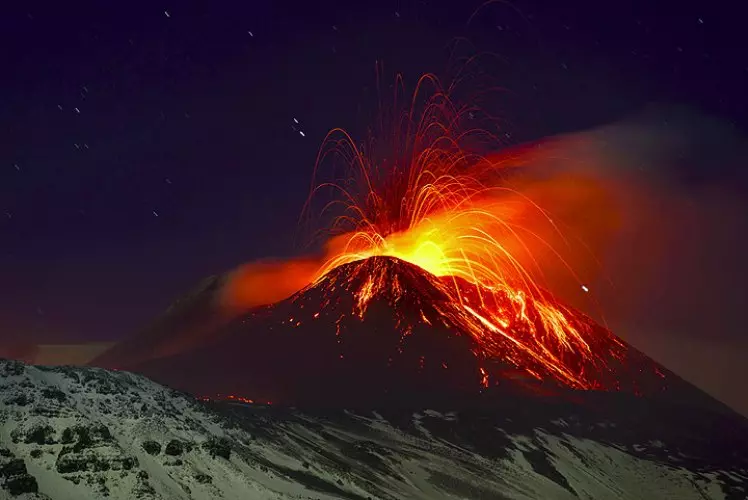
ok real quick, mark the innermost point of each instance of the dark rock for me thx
(16, 435)
(21, 484)
(19, 400)
(203, 478)
(13, 467)
(69, 460)
(174, 448)
(101, 485)
(152, 447)
(54, 393)
(47, 411)
(218, 447)
(84, 439)
(129, 462)
(68, 436)
(11, 368)
(40, 434)
(14, 476)
(101, 432)
(86, 436)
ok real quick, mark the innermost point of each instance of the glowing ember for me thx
(436, 204)
(234, 398)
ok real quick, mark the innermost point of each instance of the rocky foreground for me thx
(87, 433)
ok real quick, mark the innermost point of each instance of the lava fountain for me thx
(434, 201)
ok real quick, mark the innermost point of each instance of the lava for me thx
(441, 206)
(233, 398)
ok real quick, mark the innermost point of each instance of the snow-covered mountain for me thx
(88, 433)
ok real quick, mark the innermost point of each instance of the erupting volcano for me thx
(384, 328)
(428, 284)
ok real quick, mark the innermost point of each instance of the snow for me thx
(284, 454)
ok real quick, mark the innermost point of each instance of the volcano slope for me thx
(184, 324)
(383, 330)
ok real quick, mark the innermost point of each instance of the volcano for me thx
(384, 329)
(425, 288)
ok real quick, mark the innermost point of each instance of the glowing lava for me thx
(431, 285)
(438, 252)
(437, 204)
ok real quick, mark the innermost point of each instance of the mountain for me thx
(383, 329)
(183, 325)
(88, 433)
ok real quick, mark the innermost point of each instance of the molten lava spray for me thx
(475, 220)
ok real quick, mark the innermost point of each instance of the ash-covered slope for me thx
(86, 433)
(383, 328)
(183, 325)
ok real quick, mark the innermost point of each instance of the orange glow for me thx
(234, 398)
(445, 209)
(260, 283)
(471, 222)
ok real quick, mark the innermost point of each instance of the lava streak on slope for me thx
(434, 202)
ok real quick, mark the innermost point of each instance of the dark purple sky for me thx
(146, 145)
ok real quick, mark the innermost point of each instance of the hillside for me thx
(87, 433)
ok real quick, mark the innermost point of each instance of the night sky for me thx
(146, 147)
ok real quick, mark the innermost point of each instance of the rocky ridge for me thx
(88, 433)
